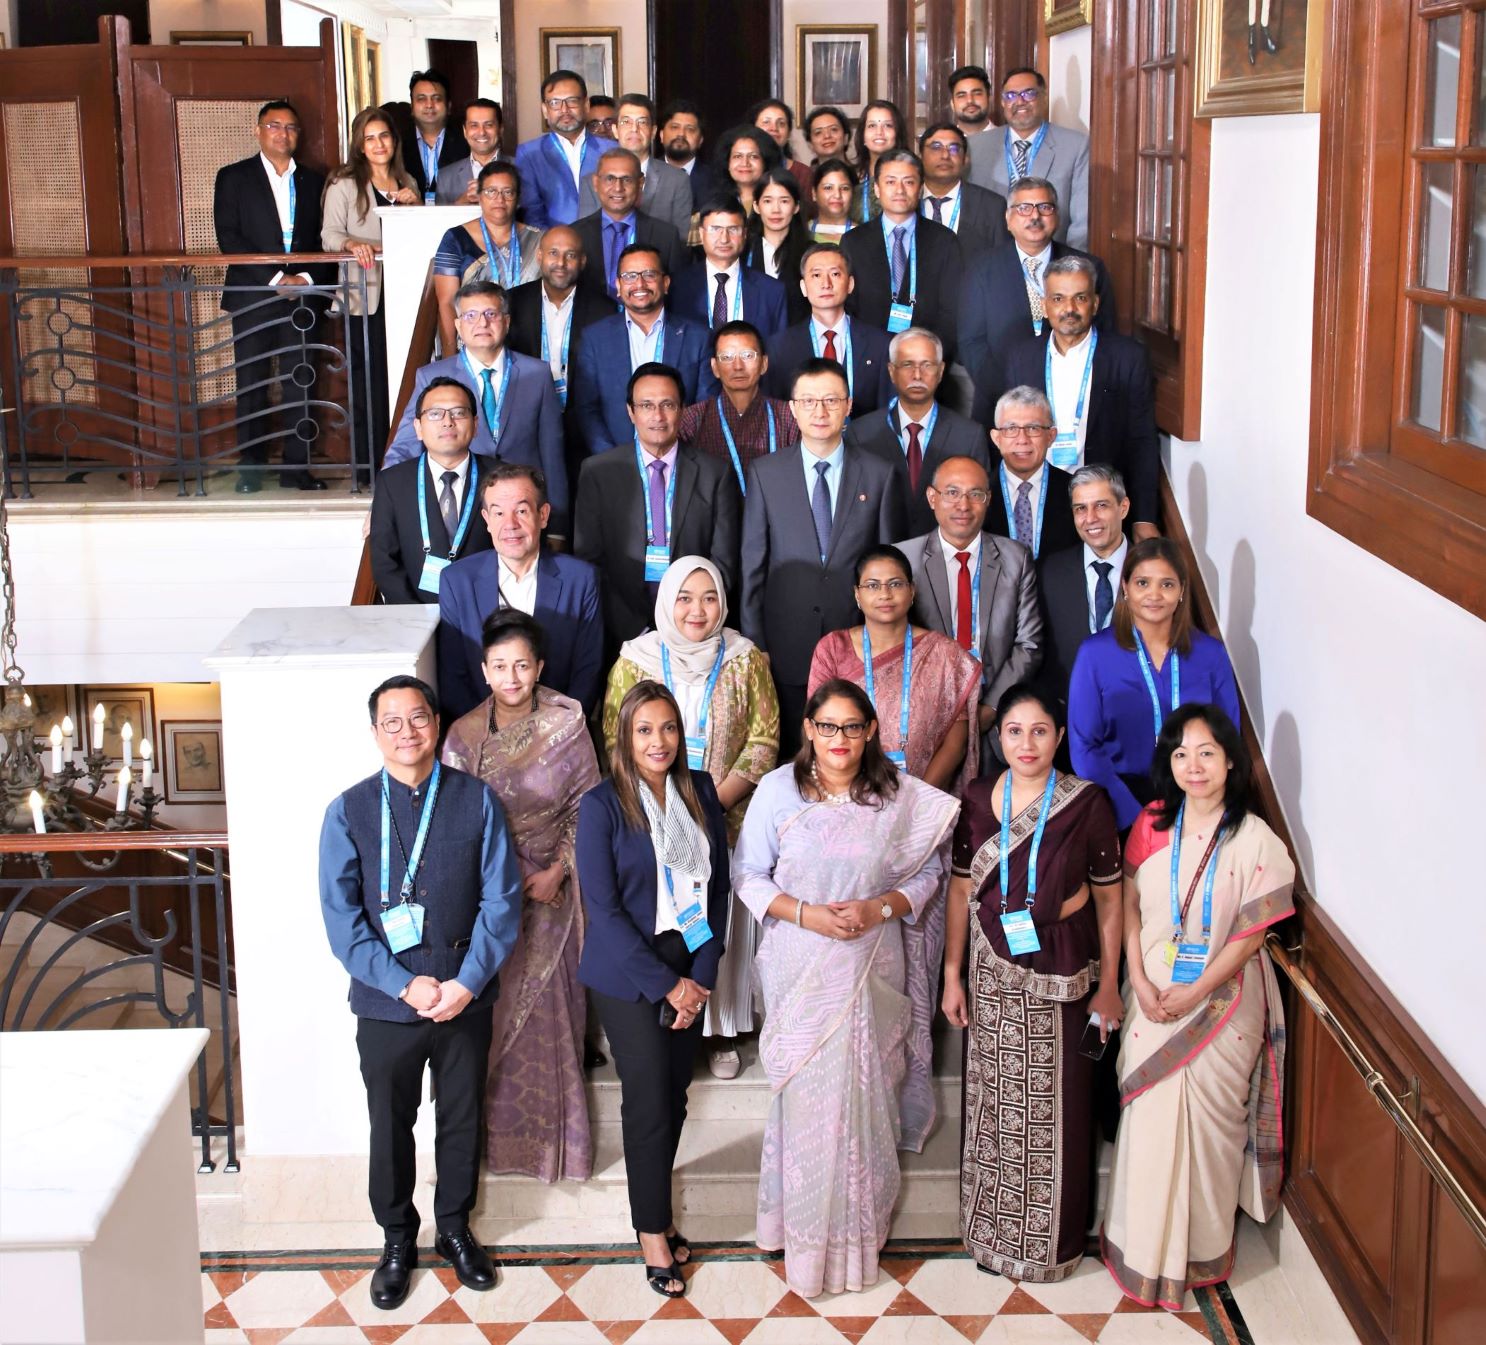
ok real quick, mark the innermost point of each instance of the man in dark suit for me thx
(435, 143)
(809, 512)
(917, 433)
(619, 223)
(1100, 389)
(719, 289)
(665, 192)
(1029, 496)
(1002, 301)
(518, 415)
(826, 281)
(975, 216)
(561, 592)
(415, 535)
(647, 501)
(269, 203)
(681, 141)
(643, 333)
(908, 269)
(554, 164)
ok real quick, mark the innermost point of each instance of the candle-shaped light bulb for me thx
(98, 727)
(126, 735)
(123, 799)
(146, 764)
(56, 749)
(26, 697)
(38, 820)
(69, 731)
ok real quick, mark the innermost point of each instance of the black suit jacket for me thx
(248, 221)
(1065, 613)
(1121, 411)
(609, 529)
(940, 272)
(652, 232)
(455, 147)
(789, 598)
(982, 224)
(871, 387)
(955, 436)
(797, 306)
(396, 537)
(1057, 514)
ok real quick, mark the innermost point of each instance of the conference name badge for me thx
(1021, 933)
(693, 922)
(1188, 960)
(1064, 453)
(433, 569)
(403, 926)
(899, 759)
(657, 562)
(899, 318)
(696, 752)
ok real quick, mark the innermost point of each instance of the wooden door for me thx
(735, 35)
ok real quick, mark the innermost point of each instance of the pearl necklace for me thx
(835, 800)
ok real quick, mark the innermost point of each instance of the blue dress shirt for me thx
(835, 464)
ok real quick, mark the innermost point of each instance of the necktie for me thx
(1103, 594)
(936, 204)
(448, 505)
(720, 303)
(915, 454)
(487, 399)
(964, 635)
(1019, 152)
(830, 346)
(1021, 514)
(1034, 288)
(900, 259)
(613, 246)
(820, 507)
(658, 503)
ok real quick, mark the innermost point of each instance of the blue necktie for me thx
(614, 231)
(900, 259)
(487, 401)
(1103, 594)
(820, 507)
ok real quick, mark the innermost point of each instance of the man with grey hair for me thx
(1098, 384)
(619, 223)
(1079, 583)
(918, 432)
(1029, 501)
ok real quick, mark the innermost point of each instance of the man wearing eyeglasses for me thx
(619, 223)
(1029, 496)
(423, 514)
(553, 166)
(482, 131)
(665, 193)
(518, 415)
(808, 513)
(974, 215)
(1031, 146)
(739, 423)
(719, 288)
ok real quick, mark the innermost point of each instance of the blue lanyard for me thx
(416, 858)
(430, 156)
(288, 234)
(1178, 917)
(640, 456)
(665, 668)
(1042, 816)
(562, 155)
(954, 216)
(907, 678)
(737, 293)
(866, 197)
(727, 434)
(660, 343)
(464, 519)
(923, 443)
(500, 397)
(493, 255)
(1150, 680)
(567, 336)
(1036, 542)
(816, 341)
(1083, 391)
(1011, 173)
(887, 229)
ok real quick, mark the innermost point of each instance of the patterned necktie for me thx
(1103, 594)
(936, 204)
(487, 399)
(720, 302)
(1019, 151)
(658, 504)
(964, 634)
(915, 454)
(1021, 514)
(614, 231)
(830, 347)
(820, 507)
(1034, 288)
(900, 259)
(448, 505)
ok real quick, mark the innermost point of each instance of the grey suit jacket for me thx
(1009, 641)
(454, 178)
(1063, 160)
(666, 195)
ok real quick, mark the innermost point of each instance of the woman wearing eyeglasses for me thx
(925, 692)
(744, 155)
(838, 853)
(1202, 1064)
(1035, 900)
(493, 247)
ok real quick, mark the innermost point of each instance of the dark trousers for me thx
(368, 361)
(393, 1056)
(792, 700)
(259, 333)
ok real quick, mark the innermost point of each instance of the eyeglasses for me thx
(282, 127)
(650, 408)
(392, 725)
(1022, 431)
(618, 180)
(953, 494)
(1028, 208)
(557, 104)
(826, 403)
(456, 415)
(736, 356)
(875, 586)
(639, 123)
(477, 314)
(826, 729)
(918, 366)
(630, 277)
(951, 147)
(723, 230)
(499, 193)
(1013, 96)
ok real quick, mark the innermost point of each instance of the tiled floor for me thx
(928, 1294)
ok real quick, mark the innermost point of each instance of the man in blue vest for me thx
(421, 896)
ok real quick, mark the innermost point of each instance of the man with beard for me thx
(554, 165)
(681, 140)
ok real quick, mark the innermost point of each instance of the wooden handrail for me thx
(82, 259)
(61, 842)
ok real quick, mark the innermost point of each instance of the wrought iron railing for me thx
(77, 947)
(134, 364)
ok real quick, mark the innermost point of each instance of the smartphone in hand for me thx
(1092, 1043)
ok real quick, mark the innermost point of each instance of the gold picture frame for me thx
(835, 66)
(1061, 16)
(1285, 79)
(181, 37)
(594, 53)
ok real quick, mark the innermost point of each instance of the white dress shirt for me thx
(476, 367)
(518, 591)
(572, 151)
(1067, 383)
(732, 293)
(905, 420)
(278, 184)
(555, 318)
(952, 573)
(665, 906)
(461, 479)
(771, 257)
(1014, 486)
(1039, 261)
(949, 217)
(1116, 559)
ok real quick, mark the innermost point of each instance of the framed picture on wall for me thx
(192, 761)
(203, 38)
(1256, 57)
(1059, 16)
(134, 706)
(590, 52)
(836, 66)
(51, 705)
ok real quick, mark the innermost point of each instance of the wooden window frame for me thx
(1398, 491)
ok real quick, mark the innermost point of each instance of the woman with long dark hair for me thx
(835, 200)
(880, 128)
(744, 155)
(777, 237)
(777, 121)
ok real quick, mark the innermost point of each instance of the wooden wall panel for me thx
(1457, 1301)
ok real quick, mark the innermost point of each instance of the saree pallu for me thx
(1200, 1124)
(536, 1109)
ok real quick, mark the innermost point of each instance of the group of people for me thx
(858, 804)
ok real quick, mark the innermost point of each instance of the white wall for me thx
(196, 16)
(1365, 686)
(1069, 57)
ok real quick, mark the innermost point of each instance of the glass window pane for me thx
(1167, 196)
(1470, 418)
(1168, 106)
(1479, 136)
(1436, 208)
(1475, 284)
(1444, 81)
(1428, 381)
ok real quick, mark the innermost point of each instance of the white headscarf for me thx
(691, 660)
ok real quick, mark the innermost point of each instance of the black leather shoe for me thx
(1270, 45)
(393, 1276)
(301, 481)
(467, 1257)
(248, 485)
(1253, 43)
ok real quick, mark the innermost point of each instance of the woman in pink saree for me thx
(1202, 1060)
(838, 853)
(531, 746)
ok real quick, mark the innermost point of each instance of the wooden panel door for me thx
(735, 35)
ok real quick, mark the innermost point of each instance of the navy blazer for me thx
(1065, 613)
(1057, 513)
(616, 874)
(764, 303)
(549, 195)
(567, 609)
(650, 231)
(940, 273)
(530, 425)
(601, 370)
(454, 148)
(871, 387)
(982, 222)
(396, 536)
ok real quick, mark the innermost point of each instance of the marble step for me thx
(40, 991)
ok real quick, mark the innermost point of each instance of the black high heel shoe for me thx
(1270, 45)
(1253, 42)
(677, 1243)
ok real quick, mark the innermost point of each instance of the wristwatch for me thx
(887, 910)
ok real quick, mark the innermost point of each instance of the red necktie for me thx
(915, 455)
(963, 633)
(830, 350)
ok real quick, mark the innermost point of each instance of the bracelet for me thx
(799, 913)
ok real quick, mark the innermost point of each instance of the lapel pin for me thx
(862, 498)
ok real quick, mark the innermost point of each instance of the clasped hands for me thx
(1165, 1006)
(843, 920)
(436, 1000)
(688, 999)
